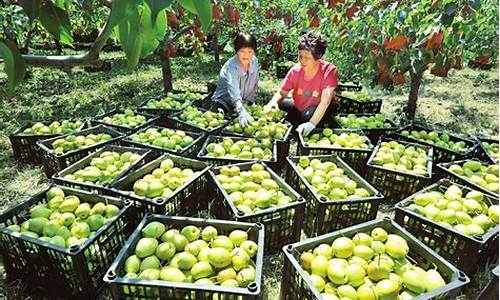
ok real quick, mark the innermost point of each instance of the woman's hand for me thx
(306, 128)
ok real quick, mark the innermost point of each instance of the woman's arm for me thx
(326, 99)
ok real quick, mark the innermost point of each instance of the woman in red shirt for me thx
(313, 82)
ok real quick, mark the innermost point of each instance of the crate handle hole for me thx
(477, 237)
(289, 248)
(323, 199)
(111, 274)
(159, 200)
(462, 276)
(74, 248)
(252, 287)
(149, 216)
(259, 225)
(240, 213)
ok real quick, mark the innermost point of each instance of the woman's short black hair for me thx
(314, 42)
(245, 40)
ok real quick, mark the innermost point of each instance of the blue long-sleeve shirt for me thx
(236, 84)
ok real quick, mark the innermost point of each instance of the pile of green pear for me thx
(441, 140)
(174, 101)
(72, 142)
(165, 138)
(257, 112)
(103, 169)
(368, 266)
(353, 121)
(327, 138)
(65, 220)
(361, 96)
(126, 119)
(466, 212)
(492, 149)
(329, 180)
(64, 127)
(260, 128)
(404, 158)
(242, 149)
(202, 256)
(479, 173)
(202, 119)
(163, 181)
(253, 190)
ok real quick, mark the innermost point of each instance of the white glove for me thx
(272, 105)
(306, 128)
(243, 116)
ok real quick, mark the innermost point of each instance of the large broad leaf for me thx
(56, 21)
(31, 8)
(203, 8)
(122, 10)
(157, 6)
(14, 63)
(152, 33)
(130, 37)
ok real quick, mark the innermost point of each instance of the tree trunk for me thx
(166, 70)
(415, 82)
(216, 48)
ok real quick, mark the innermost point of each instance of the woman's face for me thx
(306, 59)
(245, 55)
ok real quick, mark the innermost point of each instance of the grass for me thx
(465, 103)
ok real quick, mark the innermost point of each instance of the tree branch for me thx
(69, 61)
(179, 33)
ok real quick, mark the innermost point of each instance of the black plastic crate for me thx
(396, 185)
(220, 161)
(373, 134)
(189, 151)
(164, 112)
(443, 172)
(58, 178)
(440, 154)
(296, 285)
(174, 121)
(481, 152)
(282, 224)
(345, 105)
(53, 162)
(126, 288)
(490, 291)
(466, 252)
(150, 119)
(188, 200)
(24, 146)
(356, 158)
(282, 145)
(68, 273)
(324, 215)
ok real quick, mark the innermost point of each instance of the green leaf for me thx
(56, 21)
(151, 35)
(31, 8)
(157, 6)
(130, 37)
(14, 63)
(202, 8)
(122, 10)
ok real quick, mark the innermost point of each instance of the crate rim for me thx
(76, 249)
(175, 117)
(105, 128)
(480, 140)
(462, 278)
(421, 127)
(150, 119)
(353, 130)
(429, 158)
(373, 100)
(197, 135)
(377, 195)
(157, 200)
(443, 167)
(298, 201)
(141, 106)
(210, 138)
(111, 277)
(60, 174)
(442, 182)
(18, 131)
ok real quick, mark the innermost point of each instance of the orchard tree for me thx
(140, 26)
(395, 42)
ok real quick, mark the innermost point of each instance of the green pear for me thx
(153, 230)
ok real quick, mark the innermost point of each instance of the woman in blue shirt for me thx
(238, 80)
